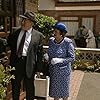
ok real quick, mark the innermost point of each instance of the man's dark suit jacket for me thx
(34, 54)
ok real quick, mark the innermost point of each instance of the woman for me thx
(90, 39)
(61, 54)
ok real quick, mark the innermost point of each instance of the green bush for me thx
(5, 78)
(44, 24)
(85, 65)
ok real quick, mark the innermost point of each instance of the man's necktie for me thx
(20, 48)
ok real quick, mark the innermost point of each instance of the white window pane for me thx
(88, 22)
(72, 28)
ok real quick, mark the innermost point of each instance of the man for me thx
(26, 52)
(80, 41)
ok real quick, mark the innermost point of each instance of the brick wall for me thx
(31, 5)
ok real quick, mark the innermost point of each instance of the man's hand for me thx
(38, 74)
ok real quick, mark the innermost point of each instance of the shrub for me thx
(44, 24)
(5, 78)
(85, 65)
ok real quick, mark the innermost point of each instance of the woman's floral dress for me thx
(60, 72)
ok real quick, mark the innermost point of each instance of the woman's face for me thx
(57, 33)
(85, 31)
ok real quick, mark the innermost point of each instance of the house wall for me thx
(46, 5)
(52, 9)
(57, 14)
(31, 5)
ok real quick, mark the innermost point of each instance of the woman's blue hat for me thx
(60, 26)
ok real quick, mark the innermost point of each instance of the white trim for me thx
(78, 8)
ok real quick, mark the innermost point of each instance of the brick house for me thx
(9, 17)
(73, 13)
(10, 11)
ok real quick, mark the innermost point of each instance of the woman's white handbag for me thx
(41, 87)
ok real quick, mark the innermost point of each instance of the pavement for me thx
(76, 79)
(90, 87)
(83, 86)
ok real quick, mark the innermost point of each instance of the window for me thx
(0, 4)
(88, 22)
(8, 6)
(73, 23)
(8, 24)
(2, 24)
(19, 7)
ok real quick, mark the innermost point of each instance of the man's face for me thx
(26, 24)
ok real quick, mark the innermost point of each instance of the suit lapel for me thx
(33, 39)
(16, 37)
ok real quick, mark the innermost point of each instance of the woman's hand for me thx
(57, 60)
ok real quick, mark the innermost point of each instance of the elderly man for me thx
(26, 46)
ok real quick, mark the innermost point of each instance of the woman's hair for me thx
(62, 33)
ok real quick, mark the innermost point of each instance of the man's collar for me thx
(30, 30)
